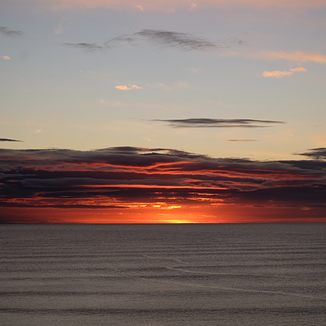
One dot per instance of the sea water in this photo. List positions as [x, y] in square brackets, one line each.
[159, 275]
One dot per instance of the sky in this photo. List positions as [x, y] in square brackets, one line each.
[208, 111]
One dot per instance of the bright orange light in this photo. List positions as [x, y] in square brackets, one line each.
[150, 214]
[179, 221]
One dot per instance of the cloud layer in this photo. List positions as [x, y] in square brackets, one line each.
[218, 123]
[131, 178]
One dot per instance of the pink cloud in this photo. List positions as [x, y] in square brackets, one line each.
[127, 88]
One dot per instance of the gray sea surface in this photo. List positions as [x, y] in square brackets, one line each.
[159, 275]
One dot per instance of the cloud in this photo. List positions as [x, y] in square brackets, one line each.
[280, 74]
[9, 32]
[5, 57]
[315, 153]
[218, 123]
[88, 47]
[293, 56]
[132, 177]
[173, 5]
[8, 139]
[127, 88]
[169, 39]
[182, 41]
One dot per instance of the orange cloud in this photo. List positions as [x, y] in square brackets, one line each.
[293, 56]
[280, 74]
[172, 5]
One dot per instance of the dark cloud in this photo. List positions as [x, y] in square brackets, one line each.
[170, 39]
[182, 41]
[88, 47]
[218, 123]
[315, 153]
[124, 177]
[9, 32]
[8, 139]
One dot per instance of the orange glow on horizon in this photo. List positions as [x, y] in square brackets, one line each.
[152, 215]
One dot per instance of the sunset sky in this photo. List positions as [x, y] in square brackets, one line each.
[167, 111]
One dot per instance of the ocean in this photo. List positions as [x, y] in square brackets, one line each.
[163, 275]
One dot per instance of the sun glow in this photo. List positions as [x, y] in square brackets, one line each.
[179, 222]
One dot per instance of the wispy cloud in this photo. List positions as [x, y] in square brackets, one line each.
[127, 88]
[9, 32]
[218, 123]
[5, 57]
[280, 74]
[168, 39]
[10, 140]
[155, 177]
[182, 41]
[293, 56]
[88, 47]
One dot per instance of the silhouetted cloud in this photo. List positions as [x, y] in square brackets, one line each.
[182, 41]
[131, 177]
[218, 123]
[315, 153]
[169, 39]
[9, 32]
[8, 139]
